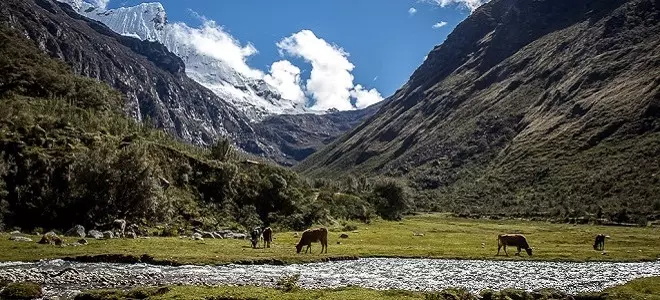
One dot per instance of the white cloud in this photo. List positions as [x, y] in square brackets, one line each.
[331, 81]
[439, 25]
[470, 4]
[375, 78]
[365, 97]
[212, 40]
[102, 4]
[285, 77]
[412, 11]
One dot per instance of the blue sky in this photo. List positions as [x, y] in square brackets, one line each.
[386, 42]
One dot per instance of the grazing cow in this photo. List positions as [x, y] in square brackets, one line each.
[255, 235]
[311, 236]
[599, 244]
[517, 240]
[267, 235]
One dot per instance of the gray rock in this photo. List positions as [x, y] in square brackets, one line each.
[197, 236]
[108, 235]
[95, 234]
[131, 235]
[239, 236]
[343, 236]
[16, 238]
[76, 231]
[15, 232]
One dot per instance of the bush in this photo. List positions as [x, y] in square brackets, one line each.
[390, 198]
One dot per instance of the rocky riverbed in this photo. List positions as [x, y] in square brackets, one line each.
[377, 273]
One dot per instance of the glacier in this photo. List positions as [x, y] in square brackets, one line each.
[148, 21]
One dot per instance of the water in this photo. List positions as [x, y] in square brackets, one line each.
[377, 273]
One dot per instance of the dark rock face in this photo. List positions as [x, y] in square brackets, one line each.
[550, 103]
[151, 77]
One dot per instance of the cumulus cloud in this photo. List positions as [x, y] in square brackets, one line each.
[365, 97]
[470, 4]
[331, 81]
[212, 40]
[439, 25]
[412, 11]
[285, 77]
[102, 4]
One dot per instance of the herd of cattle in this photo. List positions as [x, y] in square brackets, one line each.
[320, 235]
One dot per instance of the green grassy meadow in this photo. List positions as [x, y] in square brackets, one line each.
[444, 237]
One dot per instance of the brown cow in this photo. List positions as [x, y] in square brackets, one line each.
[267, 235]
[517, 240]
[311, 236]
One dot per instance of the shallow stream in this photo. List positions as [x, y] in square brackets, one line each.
[376, 273]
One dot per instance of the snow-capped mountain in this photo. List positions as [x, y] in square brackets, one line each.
[148, 21]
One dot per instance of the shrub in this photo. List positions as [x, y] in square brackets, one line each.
[390, 199]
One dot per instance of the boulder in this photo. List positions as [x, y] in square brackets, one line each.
[17, 238]
[119, 226]
[77, 231]
[95, 234]
[197, 236]
[239, 236]
[15, 232]
[131, 235]
[50, 238]
[108, 235]
[208, 235]
[343, 236]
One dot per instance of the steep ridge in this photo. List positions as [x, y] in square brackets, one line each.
[151, 77]
[546, 107]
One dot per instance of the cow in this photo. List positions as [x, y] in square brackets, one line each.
[267, 236]
[255, 235]
[311, 236]
[517, 240]
[599, 243]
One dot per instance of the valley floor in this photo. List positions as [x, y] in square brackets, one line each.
[443, 237]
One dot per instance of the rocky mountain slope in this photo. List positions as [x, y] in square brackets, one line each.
[148, 21]
[151, 77]
[157, 87]
[546, 107]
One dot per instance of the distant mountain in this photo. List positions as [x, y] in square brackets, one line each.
[158, 88]
[148, 21]
[547, 107]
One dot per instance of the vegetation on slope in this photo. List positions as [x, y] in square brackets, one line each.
[69, 156]
[542, 109]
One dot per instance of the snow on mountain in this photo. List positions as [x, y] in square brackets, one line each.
[148, 21]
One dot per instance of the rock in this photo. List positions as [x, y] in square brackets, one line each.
[418, 234]
[198, 237]
[208, 235]
[119, 226]
[239, 236]
[76, 231]
[108, 235]
[19, 239]
[50, 238]
[82, 241]
[131, 235]
[15, 232]
[343, 236]
[95, 234]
